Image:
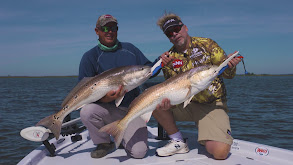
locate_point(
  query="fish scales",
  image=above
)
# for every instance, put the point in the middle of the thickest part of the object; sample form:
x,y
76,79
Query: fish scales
x,y
178,89
94,88
155,94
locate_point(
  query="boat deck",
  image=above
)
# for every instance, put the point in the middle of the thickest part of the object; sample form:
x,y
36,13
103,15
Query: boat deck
x,y
242,152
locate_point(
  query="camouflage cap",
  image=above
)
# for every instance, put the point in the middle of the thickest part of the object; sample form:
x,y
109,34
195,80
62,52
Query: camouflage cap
x,y
170,22
104,19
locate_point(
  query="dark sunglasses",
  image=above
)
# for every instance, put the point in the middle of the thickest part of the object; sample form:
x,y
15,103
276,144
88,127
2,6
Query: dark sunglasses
x,y
170,31
107,29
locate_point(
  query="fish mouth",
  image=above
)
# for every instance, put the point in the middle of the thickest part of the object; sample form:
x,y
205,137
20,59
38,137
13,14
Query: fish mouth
x,y
149,74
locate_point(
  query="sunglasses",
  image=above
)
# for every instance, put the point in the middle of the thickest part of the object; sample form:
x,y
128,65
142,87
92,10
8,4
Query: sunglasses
x,y
170,31
106,29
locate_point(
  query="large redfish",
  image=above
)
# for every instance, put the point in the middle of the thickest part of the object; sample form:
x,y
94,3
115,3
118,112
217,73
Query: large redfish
x,y
178,89
91,89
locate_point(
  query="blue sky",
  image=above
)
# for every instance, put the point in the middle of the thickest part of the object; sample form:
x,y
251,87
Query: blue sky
x,y
45,38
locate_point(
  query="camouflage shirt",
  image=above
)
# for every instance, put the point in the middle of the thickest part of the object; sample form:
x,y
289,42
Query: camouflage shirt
x,y
201,51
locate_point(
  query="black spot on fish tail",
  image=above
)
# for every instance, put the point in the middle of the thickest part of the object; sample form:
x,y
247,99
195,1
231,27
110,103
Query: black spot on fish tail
x,y
52,123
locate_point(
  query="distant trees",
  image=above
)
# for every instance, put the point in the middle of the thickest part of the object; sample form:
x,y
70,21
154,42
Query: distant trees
x,y
249,74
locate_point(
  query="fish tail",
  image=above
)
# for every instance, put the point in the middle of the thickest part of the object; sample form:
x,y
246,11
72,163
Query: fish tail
x,y
116,130
51,123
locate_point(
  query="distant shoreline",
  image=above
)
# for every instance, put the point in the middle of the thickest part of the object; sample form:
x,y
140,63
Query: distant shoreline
x,y
265,75
158,75
36,76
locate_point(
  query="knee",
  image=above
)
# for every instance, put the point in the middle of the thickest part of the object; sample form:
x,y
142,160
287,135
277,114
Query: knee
x,y
220,151
221,154
90,111
85,114
138,150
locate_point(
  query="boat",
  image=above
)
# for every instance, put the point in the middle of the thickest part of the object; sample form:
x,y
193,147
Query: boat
x,y
74,147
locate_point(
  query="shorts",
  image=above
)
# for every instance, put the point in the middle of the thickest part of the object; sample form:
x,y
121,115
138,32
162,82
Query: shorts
x,y
212,120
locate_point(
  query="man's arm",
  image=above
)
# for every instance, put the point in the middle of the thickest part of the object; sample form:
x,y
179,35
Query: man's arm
x,y
86,68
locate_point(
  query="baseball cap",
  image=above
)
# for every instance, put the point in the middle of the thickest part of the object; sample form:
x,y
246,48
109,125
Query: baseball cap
x,y
104,19
170,22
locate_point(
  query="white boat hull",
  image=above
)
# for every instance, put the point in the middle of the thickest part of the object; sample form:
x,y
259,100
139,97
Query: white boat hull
x,y
242,152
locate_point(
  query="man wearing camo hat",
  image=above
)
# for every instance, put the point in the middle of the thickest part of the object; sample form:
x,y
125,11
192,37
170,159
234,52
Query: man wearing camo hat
x,y
108,54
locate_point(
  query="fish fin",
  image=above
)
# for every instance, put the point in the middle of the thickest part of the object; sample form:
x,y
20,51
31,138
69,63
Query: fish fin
x,y
188,96
147,116
75,89
51,123
119,100
116,130
80,106
187,101
189,91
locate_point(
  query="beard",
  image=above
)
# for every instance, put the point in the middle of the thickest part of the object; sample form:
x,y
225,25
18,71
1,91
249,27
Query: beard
x,y
181,42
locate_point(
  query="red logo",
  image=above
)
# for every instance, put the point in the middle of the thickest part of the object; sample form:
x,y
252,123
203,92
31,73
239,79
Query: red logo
x,y
262,151
38,134
108,16
177,63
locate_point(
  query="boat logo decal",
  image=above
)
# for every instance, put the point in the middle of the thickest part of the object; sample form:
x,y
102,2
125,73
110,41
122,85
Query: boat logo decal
x,y
235,145
38,134
262,151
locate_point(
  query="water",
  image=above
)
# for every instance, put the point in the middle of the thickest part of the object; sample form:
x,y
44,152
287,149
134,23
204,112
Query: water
x,y
261,110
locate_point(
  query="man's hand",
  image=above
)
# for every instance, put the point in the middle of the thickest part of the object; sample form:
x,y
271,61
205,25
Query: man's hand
x,y
232,63
113,95
166,58
165,105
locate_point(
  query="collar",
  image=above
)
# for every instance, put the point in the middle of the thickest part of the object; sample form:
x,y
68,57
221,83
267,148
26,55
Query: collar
x,y
106,48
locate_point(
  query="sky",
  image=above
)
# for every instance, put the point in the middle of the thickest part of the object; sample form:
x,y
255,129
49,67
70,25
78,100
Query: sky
x,y
48,38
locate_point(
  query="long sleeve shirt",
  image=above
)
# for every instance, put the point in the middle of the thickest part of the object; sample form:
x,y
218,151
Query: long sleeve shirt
x,y
201,51
96,61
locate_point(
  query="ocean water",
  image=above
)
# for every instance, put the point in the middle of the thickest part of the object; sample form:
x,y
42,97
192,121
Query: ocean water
x,y
261,110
